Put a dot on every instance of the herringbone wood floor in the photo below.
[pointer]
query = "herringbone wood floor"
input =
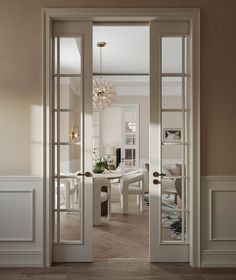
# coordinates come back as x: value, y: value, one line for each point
x: 125, y: 236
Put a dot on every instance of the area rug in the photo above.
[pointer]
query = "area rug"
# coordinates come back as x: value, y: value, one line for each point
x: 170, y: 220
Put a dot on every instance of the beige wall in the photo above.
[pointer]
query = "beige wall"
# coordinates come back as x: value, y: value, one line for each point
x: 21, y: 81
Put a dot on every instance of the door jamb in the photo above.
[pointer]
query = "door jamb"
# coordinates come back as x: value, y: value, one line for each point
x: 129, y: 15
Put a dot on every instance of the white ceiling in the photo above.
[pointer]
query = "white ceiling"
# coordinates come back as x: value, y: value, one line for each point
x: 126, y: 52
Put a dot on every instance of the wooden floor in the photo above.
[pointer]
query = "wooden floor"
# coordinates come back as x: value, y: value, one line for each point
x: 125, y: 236
x: 123, y: 269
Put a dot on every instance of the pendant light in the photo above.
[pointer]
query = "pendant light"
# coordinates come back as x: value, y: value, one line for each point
x: 103, y: 90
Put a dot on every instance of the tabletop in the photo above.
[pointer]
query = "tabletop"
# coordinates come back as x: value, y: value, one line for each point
x: 108, y: 175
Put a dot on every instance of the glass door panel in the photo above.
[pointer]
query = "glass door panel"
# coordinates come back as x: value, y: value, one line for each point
x: 172, y: 60
x: 70, y: 89
x: 67, y: 139
x: 171, y: 92
x: 70, y: 55
x: 130, y: 137
x: 67, y: 231
x: 175, y: 146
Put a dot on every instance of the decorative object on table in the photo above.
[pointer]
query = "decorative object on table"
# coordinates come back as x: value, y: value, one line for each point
x: 100, y: 165
x: 118, y: 156
x: 172, y: 135
x: 109, y: 152
x: 103, y: 90
x: 75, y: 133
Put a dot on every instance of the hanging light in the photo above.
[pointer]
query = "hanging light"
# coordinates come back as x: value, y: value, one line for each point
x: 103, y: 90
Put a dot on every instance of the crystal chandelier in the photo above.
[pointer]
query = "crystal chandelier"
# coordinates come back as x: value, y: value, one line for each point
x: 103, y: 90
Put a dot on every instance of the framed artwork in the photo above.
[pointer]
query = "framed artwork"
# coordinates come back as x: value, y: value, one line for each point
x: 172, y: 135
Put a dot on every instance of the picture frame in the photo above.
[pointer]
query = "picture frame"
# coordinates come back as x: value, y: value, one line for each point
x: 172, y: 135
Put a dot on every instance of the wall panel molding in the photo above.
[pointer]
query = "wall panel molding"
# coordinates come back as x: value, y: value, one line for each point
x: 21, y: 237
x: 218, y: 258
x: 218, y: 224
x: 30, y: 211
x: 21, y: 258
x: 213, y: 217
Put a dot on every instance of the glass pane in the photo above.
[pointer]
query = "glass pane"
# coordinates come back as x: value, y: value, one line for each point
x: 172, y: 159
x: 54, y: 169
x: 172, y: 124
x: 171, y: 226
x: 70, y: 193
x: 171, y: 93
x: 70, y: 59
x: 70, y: 226
x: 130, y: 139
x: 55, y: 81
x: 55, y: 226
x: 96, y: 143
x: 70, y: 129
x: 70, y: 93
x: 172, y: 55
x: 130, y: 122
x: 187, y: 90
x: 130, y: 157
x: 96, y: 153
x: 168, y: 197
x: 95, y: 131
x: 70, y: 159
x: 96, y: 118
x: 186, y: 228
x: 54, y: 69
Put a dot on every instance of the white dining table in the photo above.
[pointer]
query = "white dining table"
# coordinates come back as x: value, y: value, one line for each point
x: 110, y: 175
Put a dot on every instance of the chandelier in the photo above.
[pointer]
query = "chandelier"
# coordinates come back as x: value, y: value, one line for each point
x: 103, y: 90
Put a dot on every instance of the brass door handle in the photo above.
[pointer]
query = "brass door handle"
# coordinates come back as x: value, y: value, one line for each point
x: 157, y: 174
x: 156, y: 182
x: 86, y: 174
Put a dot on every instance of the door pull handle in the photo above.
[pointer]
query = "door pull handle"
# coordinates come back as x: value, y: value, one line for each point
x: 157, y: 174
x: 156, y: 182
x: 86, y: 174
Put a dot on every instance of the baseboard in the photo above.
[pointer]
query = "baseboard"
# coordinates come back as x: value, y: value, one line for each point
x: 21, y: 259
x: 218, y: 258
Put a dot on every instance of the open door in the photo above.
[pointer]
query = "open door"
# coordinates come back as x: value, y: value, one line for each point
x: 71, y: 141
x: 170, y: 141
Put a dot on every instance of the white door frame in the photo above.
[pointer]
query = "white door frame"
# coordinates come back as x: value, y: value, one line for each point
x: 127, y: 15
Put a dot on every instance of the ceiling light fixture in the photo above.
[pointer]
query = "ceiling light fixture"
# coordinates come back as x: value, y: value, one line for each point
x: 103, y: 90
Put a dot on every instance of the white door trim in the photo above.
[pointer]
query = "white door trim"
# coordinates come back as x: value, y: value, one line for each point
x: 126, y: 15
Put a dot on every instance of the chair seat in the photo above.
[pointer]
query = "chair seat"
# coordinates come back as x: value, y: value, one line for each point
x: 134, y: 189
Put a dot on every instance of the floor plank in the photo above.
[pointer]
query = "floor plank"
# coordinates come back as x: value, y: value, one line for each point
x: 125, y: 236
x: 119, y: 269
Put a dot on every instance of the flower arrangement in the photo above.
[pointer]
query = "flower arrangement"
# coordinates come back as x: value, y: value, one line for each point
x: 100, y: 165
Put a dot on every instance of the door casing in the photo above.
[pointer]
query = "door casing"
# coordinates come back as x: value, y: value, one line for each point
x: 124, y: 15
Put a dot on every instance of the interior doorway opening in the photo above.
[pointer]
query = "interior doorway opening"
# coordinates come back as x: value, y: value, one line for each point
x: 159, y: 136
x: 121, y: 136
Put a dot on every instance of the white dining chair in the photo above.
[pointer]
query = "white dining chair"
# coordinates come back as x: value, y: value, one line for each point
x: 133, y: 183
x: 101, y: 196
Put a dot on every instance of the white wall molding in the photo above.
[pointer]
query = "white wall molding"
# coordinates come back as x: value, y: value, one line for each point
x: 31, y: 218
x: 21, y: 213
x: 21, y: 258
x: 213, y: 216
x: 20, y: 178
x: 218, y: 258
x: 218, y: 235
x: 218, y: 178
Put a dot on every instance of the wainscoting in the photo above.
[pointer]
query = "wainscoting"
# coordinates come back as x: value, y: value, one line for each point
x: 21, y: 221
x: 218, y: 221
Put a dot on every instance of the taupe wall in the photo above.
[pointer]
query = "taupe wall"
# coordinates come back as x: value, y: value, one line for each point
x: 21, y: 81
